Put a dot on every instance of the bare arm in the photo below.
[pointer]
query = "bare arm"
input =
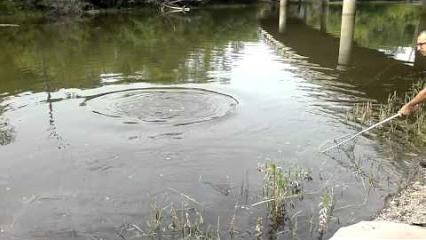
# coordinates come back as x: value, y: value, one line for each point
x: 412, y: 105
x: 419, y: 98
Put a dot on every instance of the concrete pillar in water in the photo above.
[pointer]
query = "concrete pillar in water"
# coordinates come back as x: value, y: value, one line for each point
x: 283, y: 16
x: 346, y: 33
x: 324, y: 15
x: 301, y: 11
x: 305, y: 12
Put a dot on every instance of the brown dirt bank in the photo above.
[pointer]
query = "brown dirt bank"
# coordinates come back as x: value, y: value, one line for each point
x: 409, y: 205
x: 404, y: 216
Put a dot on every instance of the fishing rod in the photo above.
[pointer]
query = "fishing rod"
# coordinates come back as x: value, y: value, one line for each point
x: 361, y: 132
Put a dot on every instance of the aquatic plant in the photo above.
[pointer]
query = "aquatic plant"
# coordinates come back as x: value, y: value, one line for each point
x: 326, y: 210
x: 155, y: 222
x: 186, y: 223
x: 362, y: 112
x: 7, y: 132
x: 259, y: 228
x: 232, y: 225
x: 279, y: 188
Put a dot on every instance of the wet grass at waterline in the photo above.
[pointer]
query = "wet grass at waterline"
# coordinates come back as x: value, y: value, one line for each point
x: 326, y: 211
x: 411, y: 131
x: 281, y: 189
x: 169, y: 222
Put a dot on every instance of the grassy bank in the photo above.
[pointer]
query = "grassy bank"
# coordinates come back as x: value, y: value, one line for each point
x: 408, y: 205
x: 409, y: 132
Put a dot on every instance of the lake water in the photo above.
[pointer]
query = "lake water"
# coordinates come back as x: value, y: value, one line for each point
x: 105, y: 116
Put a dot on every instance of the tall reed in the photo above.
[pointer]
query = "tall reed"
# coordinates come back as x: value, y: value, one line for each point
x: 280, y: 187
x: 410, y: 131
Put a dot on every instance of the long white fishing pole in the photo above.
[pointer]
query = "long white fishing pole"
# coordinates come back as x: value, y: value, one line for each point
x: 363, y: 131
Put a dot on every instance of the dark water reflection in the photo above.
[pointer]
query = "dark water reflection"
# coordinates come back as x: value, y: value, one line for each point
x: 68, y: 172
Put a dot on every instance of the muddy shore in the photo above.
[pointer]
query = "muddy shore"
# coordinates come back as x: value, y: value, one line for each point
x: 409, y: 205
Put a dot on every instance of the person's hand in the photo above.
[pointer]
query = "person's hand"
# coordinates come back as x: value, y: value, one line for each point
x: 407, y: 109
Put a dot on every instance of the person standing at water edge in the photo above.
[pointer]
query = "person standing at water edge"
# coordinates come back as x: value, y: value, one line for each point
x: 412, y: 105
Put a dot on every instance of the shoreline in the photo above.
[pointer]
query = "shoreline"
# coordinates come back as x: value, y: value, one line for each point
x: 408, y: 205
x: 403, y: 216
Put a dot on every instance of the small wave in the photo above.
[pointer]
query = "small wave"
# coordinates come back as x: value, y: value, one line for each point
x: 175, y: 106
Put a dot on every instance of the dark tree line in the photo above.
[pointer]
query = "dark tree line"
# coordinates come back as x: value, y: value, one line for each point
x: 69, y: 7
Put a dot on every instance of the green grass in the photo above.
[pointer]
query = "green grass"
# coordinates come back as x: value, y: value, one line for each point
x: 326, y: 210
x: 410, y: 132
x: 279, y: 188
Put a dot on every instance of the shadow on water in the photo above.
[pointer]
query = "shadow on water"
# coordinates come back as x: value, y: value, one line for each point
x: 369, y: 67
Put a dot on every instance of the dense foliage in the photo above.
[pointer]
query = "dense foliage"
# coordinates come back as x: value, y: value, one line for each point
x: 77, y: 7
x: 376, y: 24
x: 66, y: 6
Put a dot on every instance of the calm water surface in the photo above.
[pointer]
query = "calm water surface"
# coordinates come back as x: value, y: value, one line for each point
x: 104, y: 116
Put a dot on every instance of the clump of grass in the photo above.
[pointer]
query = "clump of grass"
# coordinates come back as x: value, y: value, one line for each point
x: 175, y: 222
x: 7, y: 132
x: 362, y: 112
x: 410, y: 131
x: 390, y: 107
x: 326, y: 211
x: 259, y: 228
x: 185, y: 223
x: 232, y: 225
x: 279, y: 187
x: 154, y: 223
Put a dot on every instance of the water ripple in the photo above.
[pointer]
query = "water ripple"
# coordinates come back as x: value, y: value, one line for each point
x: 172, y: 106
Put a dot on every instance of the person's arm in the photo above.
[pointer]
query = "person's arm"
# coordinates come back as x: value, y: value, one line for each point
x: 412, y: 105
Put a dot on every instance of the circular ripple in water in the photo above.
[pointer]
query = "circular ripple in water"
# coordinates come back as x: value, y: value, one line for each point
x: 176, y: 106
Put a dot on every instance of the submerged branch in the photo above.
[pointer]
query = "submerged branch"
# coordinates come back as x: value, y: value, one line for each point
x: 8, y: 25
x: 186, y: 196
x: 175, y: 8
x: 273, y: 199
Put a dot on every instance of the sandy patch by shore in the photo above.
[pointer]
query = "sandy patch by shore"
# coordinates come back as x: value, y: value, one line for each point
x: 409, y: 206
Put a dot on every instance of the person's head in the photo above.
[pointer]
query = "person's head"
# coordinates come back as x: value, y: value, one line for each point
x: 421, y: 43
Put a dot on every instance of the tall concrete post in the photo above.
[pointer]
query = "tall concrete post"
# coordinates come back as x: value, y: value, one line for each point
x: 283, y: 16
x: 301, y: 11
x: 305, y: 12
x: 324, y: 15
x: 346, y: 32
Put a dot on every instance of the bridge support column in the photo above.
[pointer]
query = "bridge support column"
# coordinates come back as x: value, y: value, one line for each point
x: 283, y: 16
x: 346, y: 32
x: 324, y: 15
